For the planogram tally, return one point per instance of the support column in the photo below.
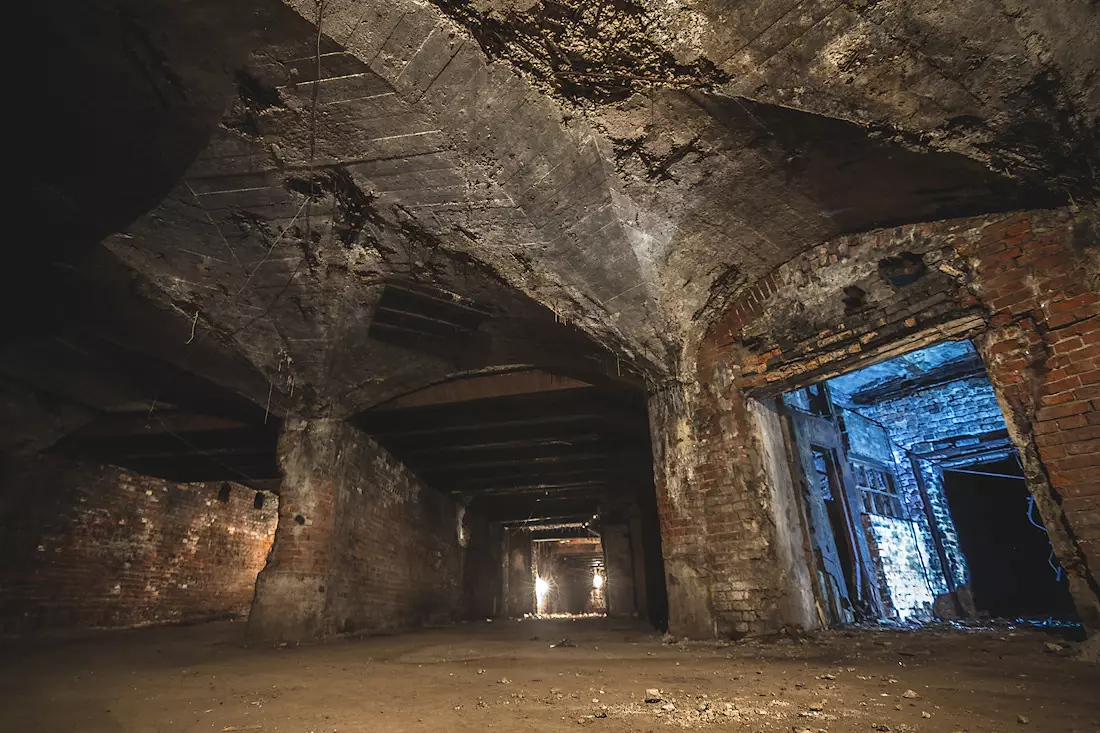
(729, 523)
(290, 595)
(1017, 361)
(637, 553)
(361, 544)
(519, 592)
(680, 487)
(619, 590)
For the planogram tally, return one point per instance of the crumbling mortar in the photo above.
(587, 54)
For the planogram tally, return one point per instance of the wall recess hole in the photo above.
(855, 298)
(905, 269)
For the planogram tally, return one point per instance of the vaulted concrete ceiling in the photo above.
(623, 167)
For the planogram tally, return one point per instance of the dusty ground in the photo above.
(506, 677)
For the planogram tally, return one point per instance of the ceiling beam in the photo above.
(536, 489)
(533, 461)
(145, 423)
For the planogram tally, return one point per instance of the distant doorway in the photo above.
(1013, 570)
(569, 577)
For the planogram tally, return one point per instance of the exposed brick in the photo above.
(1040, 314)
(99, 546)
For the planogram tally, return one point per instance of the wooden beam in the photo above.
(159, 422)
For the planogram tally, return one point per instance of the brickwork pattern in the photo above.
(941, 417)
(904, 557)
(1019, 283)
(98, 546)
(397, 557)
(719, 560)
(931, 418)
(361, 544)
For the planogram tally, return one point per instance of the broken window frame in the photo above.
(878, 495)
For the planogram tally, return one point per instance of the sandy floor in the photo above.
(506, 677)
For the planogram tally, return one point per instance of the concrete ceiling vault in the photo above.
(598, 180)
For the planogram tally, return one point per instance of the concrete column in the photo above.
(519, 582)
(618, 560)
(291, 589)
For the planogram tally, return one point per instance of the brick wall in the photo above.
(1024, 285)
(929, 419)
(398, 560)
(98, 546)
(903, 557)
(482, 582)
(361, 544)
(723, 573)
(943, 417)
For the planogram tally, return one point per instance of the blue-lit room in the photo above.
(918, 506)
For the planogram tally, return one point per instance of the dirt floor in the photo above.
(505, 676)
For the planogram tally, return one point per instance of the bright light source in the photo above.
(541, 589)
(597, 580)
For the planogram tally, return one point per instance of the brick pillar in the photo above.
(1037, 274)
(680, 483)
(1057, 434)
(290, 595)
(519, 590)
(619, 590)
(716, 473)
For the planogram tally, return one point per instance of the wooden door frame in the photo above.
(822, 427)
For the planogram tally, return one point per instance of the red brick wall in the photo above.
(1023, 285)
(721, 568)
(398, 561)
(362, 544)
(96, 546)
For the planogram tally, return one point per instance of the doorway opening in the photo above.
(914, 502)
(1013, 570)
(569, 577)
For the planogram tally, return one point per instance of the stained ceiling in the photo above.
(323, 206)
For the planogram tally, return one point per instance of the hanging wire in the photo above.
(1051, 560)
